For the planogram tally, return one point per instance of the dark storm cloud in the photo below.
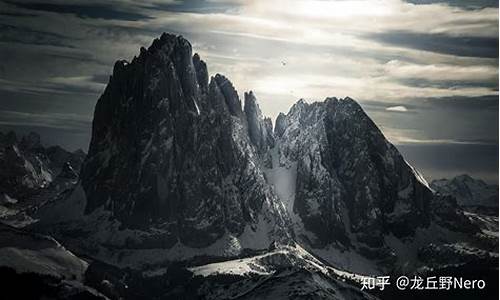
(83, 86)
(488, 103)
(93, 11)
(100, 78)
(448, 84)
(197, 6)
(467, 4)
(59, 119)
(16, 14)
(78, 57)
(59, 104)
(448, 160)
(479, 103)
(51, 120)
(444, 137)
(471, 46)
(446, 120)
(24, 35)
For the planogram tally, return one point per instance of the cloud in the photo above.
(199, 6)
(49, 120)
(407, 140)
(467, 4)
(448, 160)
(470, 46)
(437, 72)
(15, 34)
(95, 11)
(56, 85)
(398, 108)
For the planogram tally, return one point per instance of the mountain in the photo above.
(353, 199)
(187, 192)
(468, 191)
(175, 160)
(28, 166)
(32, 174)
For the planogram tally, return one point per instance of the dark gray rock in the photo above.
(231, 98)
(68, 172)
(164, 151)
(280, 125)
(28, 167)
(353, 187)
(201, 73)
(260, 129)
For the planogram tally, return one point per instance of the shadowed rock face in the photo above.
(168, 148)
(352, 185)
(260, 129)
(27, 167)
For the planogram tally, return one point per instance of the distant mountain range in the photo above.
(468, 191)
(31, 174)
(187, 193)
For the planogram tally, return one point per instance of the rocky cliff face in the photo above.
(27, 167)
(353, 189)
(170, 149)
(260, 129)
(350, 179)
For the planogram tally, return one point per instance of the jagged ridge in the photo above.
(171, 150)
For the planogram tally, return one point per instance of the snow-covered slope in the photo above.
(287, 272)
(37, 267)
(31, 253)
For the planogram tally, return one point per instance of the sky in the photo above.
(426, 71)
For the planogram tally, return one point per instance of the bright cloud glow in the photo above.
(398, 108)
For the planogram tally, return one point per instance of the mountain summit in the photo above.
(171, 151)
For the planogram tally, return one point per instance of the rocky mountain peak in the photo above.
(229, 93)
(201, 73)
(31, 141)
(280, 125)
(465, 178)
(260, 129)
(176, 154)
(352, 186)
(27, 167)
